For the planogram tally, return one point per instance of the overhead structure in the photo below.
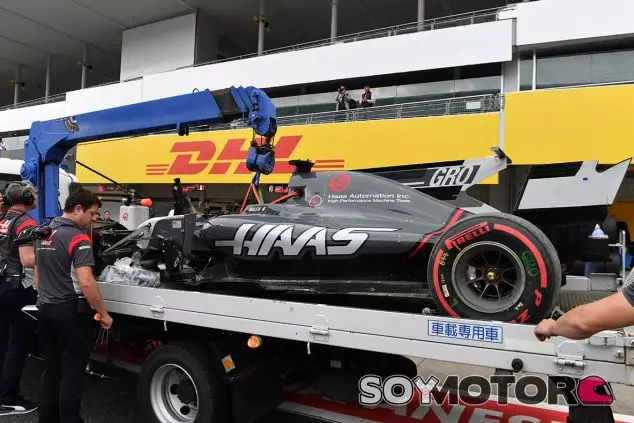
(49, 141)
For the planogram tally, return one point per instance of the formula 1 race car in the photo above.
(390, 232)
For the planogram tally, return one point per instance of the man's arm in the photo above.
(26, 248)
(83, 260)
(36, 279)
(89, 287)
(610, 313)
(27, 256)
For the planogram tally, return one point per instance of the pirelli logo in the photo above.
(467, 235)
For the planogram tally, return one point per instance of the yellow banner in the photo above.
(568, 125)
(219, 156)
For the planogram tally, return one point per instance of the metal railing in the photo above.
(51, 99)
(484, 103)
(463, 19)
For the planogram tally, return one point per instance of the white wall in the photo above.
(550, 21)
(105, 97)
(461, 46)
(20, 119)
(158, 47)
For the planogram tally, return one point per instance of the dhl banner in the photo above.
(219, 156)
(569, 125)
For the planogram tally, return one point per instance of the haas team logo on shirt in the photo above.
(48, 241)
(4, 226)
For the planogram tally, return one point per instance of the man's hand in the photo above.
(106, 321)
(545, 329)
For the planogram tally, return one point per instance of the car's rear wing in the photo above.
(556, 186)
(566, 185)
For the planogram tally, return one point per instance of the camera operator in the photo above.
(66, 325)
(343, 99)
(16, 291)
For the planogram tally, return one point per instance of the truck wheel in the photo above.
(178, 385)
(494, 267)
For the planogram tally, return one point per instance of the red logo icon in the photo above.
(594, 390)
(315, 201)
(339, 182)
(125, 216)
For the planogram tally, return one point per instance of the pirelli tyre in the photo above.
(494, 267)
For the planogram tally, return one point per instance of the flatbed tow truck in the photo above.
(207, 357)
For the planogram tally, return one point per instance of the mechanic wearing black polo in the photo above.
(66, 325)
(16, 291)
(610, 313)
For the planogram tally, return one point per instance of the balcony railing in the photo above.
(470, 18)
(36, 102)
(484, 103)
(463, 19)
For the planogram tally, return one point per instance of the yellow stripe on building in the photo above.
(568, 125)
(219, 156)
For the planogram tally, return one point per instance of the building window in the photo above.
(526, 74)
(585, 69)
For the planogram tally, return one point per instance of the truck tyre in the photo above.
(494, 266)
(178, 384)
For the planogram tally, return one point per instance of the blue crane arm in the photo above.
(49, 141)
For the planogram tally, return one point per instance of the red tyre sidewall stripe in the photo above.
(439, 293)
(543, 279)
(454, 218)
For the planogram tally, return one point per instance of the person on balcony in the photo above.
(367, 98)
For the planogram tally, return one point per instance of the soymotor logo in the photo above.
(477, 390)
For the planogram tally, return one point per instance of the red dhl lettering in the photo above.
(467, 235)
(196, 157)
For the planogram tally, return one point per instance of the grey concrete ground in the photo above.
(114, 401)
(110, 401)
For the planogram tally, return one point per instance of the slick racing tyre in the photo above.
(494, 267)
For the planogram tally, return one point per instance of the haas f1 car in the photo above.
(410, 232)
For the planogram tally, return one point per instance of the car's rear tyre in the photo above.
(494, 267)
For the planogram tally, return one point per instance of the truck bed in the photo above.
(508, 346)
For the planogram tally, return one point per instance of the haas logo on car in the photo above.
(453, 175)
(292, 243)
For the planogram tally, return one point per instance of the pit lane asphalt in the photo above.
(108, 401)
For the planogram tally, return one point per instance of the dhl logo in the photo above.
(196, 157)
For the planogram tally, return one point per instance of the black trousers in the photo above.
(66, 338)
(17, 331)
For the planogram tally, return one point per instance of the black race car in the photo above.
(382, 233)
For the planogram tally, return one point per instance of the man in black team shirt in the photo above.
(66, 324)
(16, 291)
